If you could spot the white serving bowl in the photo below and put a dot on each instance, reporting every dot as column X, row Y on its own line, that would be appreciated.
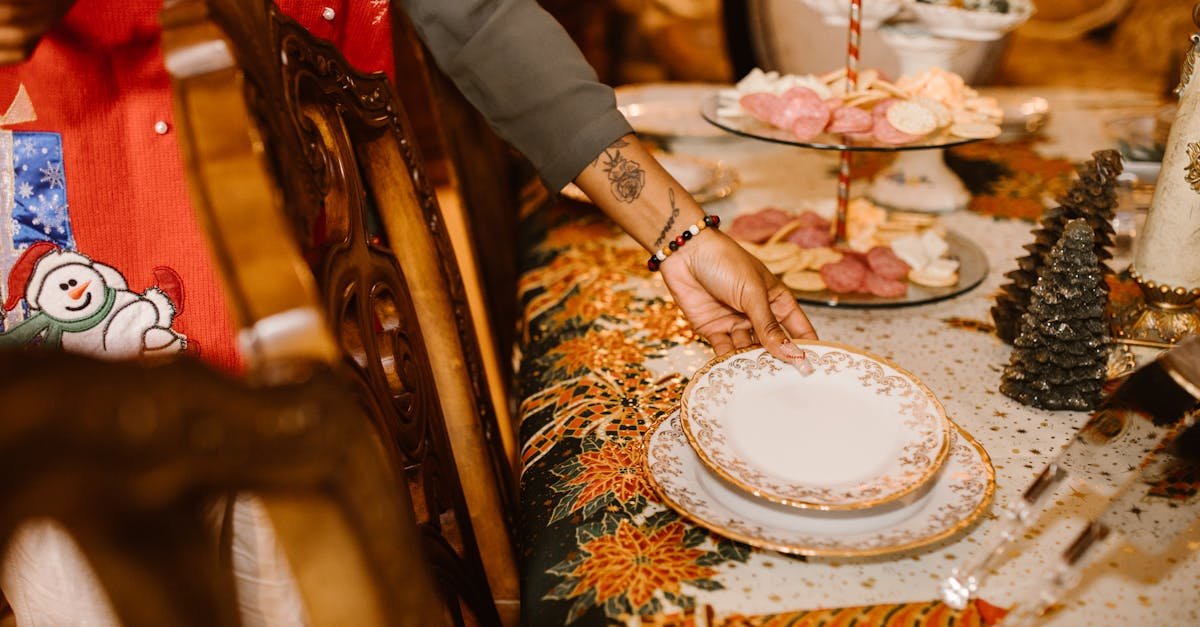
column 837, row 12
column 955, row 23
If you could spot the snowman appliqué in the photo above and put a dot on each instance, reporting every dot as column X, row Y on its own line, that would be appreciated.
column 83, row 306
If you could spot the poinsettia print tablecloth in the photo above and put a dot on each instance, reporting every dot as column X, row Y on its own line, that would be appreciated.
column 605, row 354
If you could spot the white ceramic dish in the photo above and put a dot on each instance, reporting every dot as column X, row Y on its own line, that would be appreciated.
column 956, row 497
column 837, row 12
column 706, row 180
column 956, row 23
column 853, row 431
column 1023, row 115
column 668, row 109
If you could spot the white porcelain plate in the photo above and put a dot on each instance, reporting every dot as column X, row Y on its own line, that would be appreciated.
column 706, row 180
column 954, row 499
column 668, row 109
column 852, row 431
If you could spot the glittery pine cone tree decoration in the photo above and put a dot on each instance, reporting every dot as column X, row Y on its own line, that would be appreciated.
column 1060, row 357
column 1094, row 199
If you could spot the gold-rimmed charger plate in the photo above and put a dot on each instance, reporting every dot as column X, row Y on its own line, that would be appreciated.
column 956, row 497
column 853, row 431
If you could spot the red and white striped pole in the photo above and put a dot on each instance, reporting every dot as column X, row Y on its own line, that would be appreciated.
column 839, row 222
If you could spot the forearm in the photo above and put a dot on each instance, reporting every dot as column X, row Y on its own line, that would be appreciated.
column 519, row 68
column 628, row 184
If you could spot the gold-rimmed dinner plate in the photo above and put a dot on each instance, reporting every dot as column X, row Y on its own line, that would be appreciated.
column 957, row 496
column 852, row 431
column 668, row 109
column 705, row 180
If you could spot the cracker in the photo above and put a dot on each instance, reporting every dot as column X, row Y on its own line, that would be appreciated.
column 780, row 266
column 776, row 251
column 863, row 98
column 834, row 75
column 912, row 118
column 866, row 78
column 891, row 89
column 804, row 281
column 933, row 279
column 822, row 256
column 804, row 259
column 783, row 232
column 975, row 130
column 940, row 111
column 912, row 217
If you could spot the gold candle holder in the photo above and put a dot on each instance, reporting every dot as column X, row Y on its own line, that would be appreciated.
column 1164, row 316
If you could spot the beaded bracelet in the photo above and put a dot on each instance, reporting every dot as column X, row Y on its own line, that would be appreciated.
column 692, row 231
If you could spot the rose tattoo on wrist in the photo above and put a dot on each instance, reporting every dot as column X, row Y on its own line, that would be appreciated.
column 625, row 176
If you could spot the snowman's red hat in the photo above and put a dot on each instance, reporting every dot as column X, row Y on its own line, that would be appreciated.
column 27, row 275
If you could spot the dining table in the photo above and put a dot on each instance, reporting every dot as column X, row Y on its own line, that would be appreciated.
column 605, row 355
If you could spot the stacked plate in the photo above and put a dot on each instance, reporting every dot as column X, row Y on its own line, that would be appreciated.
column 851, row 456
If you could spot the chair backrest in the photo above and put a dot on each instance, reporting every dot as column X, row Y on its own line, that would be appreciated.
column 478, row 179
column 333, row 249
column 133, row 472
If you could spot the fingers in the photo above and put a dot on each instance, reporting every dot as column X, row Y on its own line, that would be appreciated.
column 768, row 329
column 721, row 343
column 792, row 316
column 742, row 338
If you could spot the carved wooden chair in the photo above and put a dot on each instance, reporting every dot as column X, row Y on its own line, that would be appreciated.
column 481, row 178
column 362, row 422
column 334, row 251
column 133, row 473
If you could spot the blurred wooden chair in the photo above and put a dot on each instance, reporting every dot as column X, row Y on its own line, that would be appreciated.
column 334, row 251
column 479, row 194
column 132, row 460
column 262, row 104
column 362, row 422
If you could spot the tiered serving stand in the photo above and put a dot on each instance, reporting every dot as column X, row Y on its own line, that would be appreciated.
column 973, row 263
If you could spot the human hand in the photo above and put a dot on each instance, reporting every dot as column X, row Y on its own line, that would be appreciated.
column 730, row 297
column 22, row 24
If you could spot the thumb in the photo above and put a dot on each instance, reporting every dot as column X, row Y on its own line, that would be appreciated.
column 768, row 329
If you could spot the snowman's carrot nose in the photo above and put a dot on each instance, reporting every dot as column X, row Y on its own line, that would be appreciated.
column 78, row 292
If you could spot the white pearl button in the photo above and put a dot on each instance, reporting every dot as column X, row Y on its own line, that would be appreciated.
column 161, row 127
column 328, row 13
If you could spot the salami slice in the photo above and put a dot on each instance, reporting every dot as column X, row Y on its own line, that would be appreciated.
column 757, row 227
column 881, row 108
column 763, row 106
column 849, row 120
column 809, row 218
column 867, row 136
column 809, row 124
column 886, row 263
column 883, row 286
column 888, row 134
column 804, row 112
column 844, row 276
column 803, row 95
column 811, row 237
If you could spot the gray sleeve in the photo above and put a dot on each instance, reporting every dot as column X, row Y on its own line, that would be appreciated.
column 518, row 66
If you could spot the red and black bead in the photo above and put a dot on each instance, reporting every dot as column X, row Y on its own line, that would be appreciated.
column 680, row 241
column 653, row 264
column 712, row 221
